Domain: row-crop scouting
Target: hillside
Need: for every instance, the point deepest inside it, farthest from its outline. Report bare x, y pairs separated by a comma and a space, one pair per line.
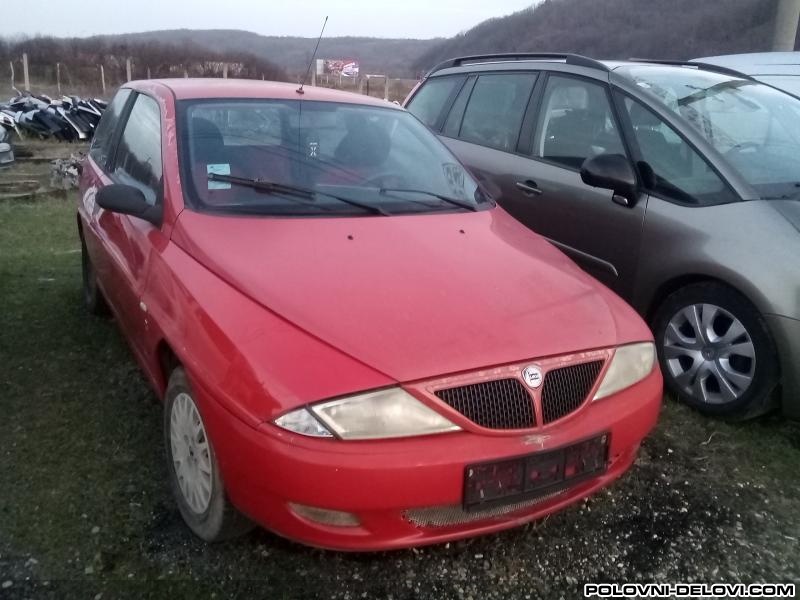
675, 29
393, 56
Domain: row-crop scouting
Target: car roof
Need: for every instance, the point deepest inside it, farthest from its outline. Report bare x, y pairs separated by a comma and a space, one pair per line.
758, 63
201, 88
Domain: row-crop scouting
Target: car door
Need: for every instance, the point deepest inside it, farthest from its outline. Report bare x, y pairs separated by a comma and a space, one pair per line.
568, 119
126, 241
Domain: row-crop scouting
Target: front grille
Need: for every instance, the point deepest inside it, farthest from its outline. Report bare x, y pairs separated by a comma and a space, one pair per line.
498, 404
447, 516
566, 388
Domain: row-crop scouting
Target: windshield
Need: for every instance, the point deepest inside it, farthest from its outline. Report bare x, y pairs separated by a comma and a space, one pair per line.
755, 127
305, 158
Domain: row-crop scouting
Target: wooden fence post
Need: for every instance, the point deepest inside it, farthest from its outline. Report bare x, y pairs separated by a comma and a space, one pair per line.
25, 70
148, 73
225, 70
58, 77
386, 88
11, 64
103, 79
128, 68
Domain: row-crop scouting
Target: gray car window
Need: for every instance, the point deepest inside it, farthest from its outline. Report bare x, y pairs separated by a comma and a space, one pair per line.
496, 108
679, 171
429, 102
575, 123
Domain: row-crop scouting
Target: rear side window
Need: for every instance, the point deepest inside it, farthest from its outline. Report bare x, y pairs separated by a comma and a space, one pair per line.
575, 122
496, 108
138, 158
430, 101
679, 172
101, 148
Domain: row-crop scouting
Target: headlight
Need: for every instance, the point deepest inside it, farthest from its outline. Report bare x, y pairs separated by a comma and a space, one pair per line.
302, 421
388, 413
630, 364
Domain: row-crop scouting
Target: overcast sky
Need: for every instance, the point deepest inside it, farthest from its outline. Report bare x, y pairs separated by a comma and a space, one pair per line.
378, 18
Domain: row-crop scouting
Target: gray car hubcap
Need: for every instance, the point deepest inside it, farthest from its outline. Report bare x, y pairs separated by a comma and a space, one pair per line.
709, 353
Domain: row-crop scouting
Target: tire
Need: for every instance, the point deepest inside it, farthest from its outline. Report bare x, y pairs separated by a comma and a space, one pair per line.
191, 462
92, 296
731, 369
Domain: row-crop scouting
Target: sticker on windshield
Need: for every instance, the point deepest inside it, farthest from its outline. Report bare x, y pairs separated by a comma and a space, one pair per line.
220, 169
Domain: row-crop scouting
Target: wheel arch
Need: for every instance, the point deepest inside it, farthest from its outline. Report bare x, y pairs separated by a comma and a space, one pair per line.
167, 362
753, 295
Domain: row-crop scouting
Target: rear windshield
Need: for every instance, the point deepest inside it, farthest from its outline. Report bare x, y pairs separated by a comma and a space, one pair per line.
344, 159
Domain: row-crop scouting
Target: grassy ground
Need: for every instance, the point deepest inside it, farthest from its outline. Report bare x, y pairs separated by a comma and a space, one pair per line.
85, 509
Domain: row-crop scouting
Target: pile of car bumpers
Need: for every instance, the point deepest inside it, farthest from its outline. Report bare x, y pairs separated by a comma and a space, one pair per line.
6, 151
68, 119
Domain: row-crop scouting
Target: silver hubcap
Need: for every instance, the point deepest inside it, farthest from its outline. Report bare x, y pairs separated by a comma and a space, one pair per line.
709, 353
190, 453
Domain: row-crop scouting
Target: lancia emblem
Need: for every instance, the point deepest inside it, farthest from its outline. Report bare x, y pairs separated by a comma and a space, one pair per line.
532, 375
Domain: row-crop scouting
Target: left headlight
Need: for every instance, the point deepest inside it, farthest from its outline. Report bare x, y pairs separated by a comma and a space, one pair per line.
630, 364
388, 413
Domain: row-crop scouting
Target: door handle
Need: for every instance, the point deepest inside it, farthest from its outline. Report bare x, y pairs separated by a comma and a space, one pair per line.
529, 187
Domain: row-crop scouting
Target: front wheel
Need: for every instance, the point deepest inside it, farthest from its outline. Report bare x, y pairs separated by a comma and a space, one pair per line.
715, 351
194, 473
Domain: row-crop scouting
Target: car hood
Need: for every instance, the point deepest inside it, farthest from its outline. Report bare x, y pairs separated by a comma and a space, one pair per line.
414, 296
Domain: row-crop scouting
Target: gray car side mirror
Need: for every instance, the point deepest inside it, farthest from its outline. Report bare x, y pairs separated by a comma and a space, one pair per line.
612, 172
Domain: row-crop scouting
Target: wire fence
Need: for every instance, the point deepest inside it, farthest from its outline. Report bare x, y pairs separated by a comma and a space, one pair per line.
101, 80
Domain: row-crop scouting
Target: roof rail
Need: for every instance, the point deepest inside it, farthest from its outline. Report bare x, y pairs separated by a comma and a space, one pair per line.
570, 59
692, 63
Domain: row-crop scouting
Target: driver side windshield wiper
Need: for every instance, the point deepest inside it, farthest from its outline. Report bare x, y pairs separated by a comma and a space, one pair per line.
292, 191
442, 197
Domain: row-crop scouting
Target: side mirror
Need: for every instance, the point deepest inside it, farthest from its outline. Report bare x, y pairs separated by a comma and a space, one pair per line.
612, 172
128, 200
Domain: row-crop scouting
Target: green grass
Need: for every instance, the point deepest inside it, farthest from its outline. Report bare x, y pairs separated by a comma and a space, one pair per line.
81, 447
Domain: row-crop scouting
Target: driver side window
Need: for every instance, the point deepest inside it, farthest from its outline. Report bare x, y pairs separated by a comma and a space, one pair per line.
677, 170
575, 123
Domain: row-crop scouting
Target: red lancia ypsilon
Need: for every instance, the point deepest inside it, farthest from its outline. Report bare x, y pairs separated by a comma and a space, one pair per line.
356, 348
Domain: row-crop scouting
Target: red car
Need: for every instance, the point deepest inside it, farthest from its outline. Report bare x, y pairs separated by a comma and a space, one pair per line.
356, 348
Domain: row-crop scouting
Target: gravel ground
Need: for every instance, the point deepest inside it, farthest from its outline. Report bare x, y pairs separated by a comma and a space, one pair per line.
85, 509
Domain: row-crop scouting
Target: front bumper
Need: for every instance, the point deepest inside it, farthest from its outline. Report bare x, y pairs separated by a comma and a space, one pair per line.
787, 336
407, 492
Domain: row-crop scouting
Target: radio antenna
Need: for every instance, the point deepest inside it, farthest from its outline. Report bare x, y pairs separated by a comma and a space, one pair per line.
313, 56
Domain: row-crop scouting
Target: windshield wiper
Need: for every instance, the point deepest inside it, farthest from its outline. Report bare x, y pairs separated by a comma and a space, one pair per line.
292, 191
442, 197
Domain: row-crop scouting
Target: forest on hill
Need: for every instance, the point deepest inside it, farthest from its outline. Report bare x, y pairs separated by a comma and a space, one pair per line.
79, 60
667, 29
396, 57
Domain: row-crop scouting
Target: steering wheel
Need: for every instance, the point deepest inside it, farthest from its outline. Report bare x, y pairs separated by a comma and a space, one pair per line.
738, 148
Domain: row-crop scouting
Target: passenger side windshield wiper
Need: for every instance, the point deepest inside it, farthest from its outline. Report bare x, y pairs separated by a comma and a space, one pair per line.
293, 191
442, 197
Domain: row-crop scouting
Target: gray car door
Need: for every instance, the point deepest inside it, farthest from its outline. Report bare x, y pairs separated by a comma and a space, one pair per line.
567, 120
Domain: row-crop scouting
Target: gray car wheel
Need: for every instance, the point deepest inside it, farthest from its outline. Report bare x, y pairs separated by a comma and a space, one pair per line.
715, 350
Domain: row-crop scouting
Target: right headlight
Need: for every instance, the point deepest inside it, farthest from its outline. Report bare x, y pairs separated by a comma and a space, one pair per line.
386, 413
630, 364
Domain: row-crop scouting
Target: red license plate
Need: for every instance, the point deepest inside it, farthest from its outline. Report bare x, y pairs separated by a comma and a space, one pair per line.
524, 477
